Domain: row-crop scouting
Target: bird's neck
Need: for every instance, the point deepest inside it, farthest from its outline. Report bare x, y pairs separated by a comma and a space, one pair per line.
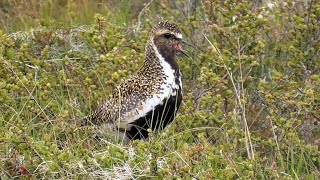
158, 56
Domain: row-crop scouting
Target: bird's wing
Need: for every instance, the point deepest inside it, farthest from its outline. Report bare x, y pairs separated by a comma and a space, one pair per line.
130, 101
139, 98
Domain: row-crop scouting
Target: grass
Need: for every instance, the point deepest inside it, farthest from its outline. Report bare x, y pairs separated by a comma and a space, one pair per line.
251, 93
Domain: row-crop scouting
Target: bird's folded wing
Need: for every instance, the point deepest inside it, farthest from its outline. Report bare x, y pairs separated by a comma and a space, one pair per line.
131, 100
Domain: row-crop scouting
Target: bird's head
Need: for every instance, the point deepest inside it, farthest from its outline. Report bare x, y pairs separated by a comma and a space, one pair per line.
167, 38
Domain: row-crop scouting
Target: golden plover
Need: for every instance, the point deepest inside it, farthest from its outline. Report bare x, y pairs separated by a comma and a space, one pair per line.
150, 98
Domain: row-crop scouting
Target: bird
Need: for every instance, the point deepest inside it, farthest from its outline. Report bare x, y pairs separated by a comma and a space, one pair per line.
150, 98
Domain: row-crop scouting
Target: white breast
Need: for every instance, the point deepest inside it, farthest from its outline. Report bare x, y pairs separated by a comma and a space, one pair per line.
168, 88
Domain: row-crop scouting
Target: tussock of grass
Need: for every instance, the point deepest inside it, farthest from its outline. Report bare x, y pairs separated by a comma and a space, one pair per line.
251, 93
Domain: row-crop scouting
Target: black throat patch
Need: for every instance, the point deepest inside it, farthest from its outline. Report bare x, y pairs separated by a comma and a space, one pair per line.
167, 51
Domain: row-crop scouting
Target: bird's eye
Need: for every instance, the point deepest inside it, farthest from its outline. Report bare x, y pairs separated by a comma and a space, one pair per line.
168, 36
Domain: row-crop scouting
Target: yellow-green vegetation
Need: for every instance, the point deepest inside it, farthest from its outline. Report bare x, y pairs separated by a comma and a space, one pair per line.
251, 105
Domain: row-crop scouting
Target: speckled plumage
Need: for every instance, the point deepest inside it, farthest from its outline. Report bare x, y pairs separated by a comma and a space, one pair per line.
151, 97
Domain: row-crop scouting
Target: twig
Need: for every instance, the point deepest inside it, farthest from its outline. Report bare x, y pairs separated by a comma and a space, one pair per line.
138, 26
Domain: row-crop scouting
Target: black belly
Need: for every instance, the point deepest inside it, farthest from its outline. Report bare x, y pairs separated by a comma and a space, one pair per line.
156, 120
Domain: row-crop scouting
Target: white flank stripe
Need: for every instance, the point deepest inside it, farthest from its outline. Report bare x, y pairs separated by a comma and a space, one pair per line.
156, 99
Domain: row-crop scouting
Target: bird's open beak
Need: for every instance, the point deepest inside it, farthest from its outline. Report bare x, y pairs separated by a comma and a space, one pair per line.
179, 47
186, 43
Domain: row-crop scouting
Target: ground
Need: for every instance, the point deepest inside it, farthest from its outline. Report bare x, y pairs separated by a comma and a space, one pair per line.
251, 89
